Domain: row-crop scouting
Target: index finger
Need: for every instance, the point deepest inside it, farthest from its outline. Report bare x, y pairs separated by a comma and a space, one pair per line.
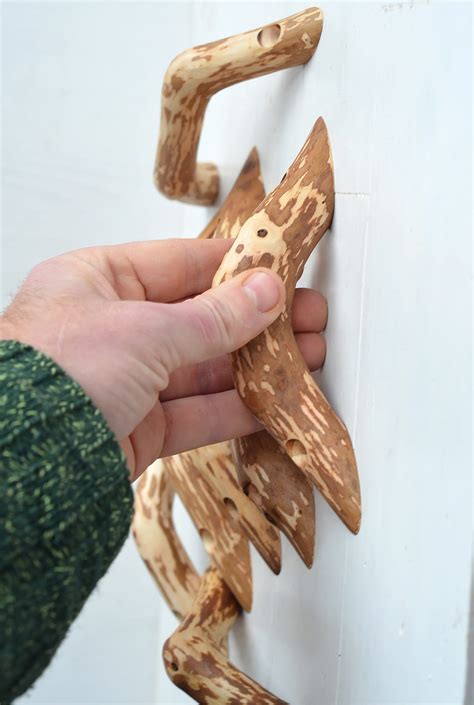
161, 270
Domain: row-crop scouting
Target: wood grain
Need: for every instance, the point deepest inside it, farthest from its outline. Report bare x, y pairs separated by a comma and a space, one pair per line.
270, 478
195, 75
270, 373
158, 542
216, 465
222, 536
195, 656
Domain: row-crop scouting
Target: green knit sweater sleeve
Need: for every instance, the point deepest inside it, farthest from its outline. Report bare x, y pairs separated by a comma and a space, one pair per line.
65, 509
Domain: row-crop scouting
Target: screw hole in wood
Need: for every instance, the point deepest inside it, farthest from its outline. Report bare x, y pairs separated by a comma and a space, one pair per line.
269, 518
296, 451
233, 511
268, 36
208, 540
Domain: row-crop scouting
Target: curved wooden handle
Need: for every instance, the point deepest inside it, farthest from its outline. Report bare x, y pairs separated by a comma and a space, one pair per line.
270, 373
207, 606
222, 536
195, 656
158, 542
268, 476
194, 76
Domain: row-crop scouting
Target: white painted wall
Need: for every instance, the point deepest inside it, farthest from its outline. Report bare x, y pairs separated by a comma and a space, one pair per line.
381, 618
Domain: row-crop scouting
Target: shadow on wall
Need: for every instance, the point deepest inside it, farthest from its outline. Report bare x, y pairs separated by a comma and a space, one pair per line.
322, 279
324, 270
469, 692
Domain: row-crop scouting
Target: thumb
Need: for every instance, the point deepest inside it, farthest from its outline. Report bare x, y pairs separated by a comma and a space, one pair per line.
224, 318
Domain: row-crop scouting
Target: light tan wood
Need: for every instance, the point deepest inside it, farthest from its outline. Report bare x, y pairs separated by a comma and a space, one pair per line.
195, 75
216, 465
221, 534
195, 656
270, 373
158, 543
276, 485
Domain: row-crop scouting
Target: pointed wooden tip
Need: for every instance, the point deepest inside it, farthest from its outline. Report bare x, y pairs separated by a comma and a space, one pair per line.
251, 166
216, 465
336, 478
244, 197
276, 485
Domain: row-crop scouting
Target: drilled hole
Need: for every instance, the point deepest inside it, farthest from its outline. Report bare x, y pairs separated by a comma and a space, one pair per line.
262, 232
174, 666
269, 517
297, 452
208, 540
268, 36
233, 511
254, 495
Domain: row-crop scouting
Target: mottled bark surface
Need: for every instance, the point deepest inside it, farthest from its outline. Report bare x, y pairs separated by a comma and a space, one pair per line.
194, 76
222, 536
270, 478
216, 465
158, 542
270, 373
195, 655
262, 484
244, 197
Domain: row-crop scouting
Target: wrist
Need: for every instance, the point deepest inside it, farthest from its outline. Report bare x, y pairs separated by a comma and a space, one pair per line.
8, 330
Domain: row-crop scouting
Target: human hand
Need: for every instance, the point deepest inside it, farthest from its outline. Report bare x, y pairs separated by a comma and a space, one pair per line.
138, 328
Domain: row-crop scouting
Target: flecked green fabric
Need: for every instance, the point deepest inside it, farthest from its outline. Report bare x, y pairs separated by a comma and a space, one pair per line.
65, 509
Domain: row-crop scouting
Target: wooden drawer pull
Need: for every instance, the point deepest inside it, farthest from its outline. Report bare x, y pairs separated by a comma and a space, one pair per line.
195, 75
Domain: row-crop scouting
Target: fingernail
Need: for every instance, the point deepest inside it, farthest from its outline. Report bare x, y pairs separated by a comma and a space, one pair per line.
263, 289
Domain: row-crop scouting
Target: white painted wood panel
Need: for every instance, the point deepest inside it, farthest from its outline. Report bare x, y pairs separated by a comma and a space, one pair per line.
382, 618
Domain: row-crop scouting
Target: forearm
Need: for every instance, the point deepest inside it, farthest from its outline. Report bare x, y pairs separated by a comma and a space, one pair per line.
65, 509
